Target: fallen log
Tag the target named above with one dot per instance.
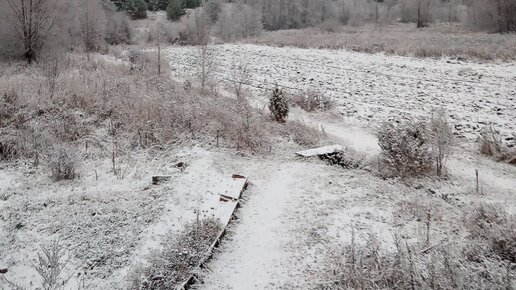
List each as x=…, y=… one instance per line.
x=160, y=179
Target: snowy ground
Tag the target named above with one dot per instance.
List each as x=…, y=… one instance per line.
x=299, y=211
x=107, y=225
x=373, y=88
x=295, y=210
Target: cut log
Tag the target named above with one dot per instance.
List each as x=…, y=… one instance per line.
x=320, y=151
x=160, y=179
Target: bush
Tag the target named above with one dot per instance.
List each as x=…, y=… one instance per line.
x=278, y=105
x=63, y=163
x=494, y=230
x=311, y=101
x=118, y=28
x=491, y=142
x=406, y=148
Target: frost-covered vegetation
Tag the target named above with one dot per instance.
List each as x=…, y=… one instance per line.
x=128, y=129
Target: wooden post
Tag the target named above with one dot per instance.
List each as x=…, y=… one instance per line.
x=476, y=175
x=428, y=220
x=159, y=52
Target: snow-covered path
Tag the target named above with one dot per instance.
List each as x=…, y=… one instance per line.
x=251, y=258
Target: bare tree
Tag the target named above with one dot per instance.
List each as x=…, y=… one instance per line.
x=205, y=63
x=33, y=21
x=441, y=138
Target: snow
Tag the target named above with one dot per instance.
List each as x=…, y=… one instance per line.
x=299, y=211
x=250, y=259
x=375, y=88
x=294, y=211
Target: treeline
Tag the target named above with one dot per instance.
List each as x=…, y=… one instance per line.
x=26, y=26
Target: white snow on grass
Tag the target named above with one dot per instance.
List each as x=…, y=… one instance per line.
x=374, y=88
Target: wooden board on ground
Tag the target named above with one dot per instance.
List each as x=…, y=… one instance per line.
x=231, y=197
x=320, y=151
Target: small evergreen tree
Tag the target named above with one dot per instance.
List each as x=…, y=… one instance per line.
x=175, y=9
x=192, y=4
x=278, y=105
x=137, y=9
x=156, y=5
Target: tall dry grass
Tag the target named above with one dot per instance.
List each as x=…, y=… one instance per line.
x=438, y=41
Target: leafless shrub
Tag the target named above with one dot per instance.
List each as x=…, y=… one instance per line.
x=406, y=148
x=491, y=144
x=180, y=258
x=196, y=28
x=63, y=163
x=494, y=230
x=51, y=70
x=92, y=25
x=50, y=265
x=118, y=28
x=8, y=105
x=441, y=138
x=139, y=59
x=312, y=100
x=331, y=26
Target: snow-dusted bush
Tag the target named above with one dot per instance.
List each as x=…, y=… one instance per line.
x=490, y=142
x=63, y=162
x=278, y=105
x=312, y=100
x=179, y=259
x=494, y=230
x=406, y=147
x=118, y=28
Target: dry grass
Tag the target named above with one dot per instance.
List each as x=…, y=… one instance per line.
x=113, y=106
x=439, y=40
x=478, y=255
x=180, y=257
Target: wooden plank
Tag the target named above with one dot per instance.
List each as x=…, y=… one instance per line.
x=239, y=180
x=320, y=151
